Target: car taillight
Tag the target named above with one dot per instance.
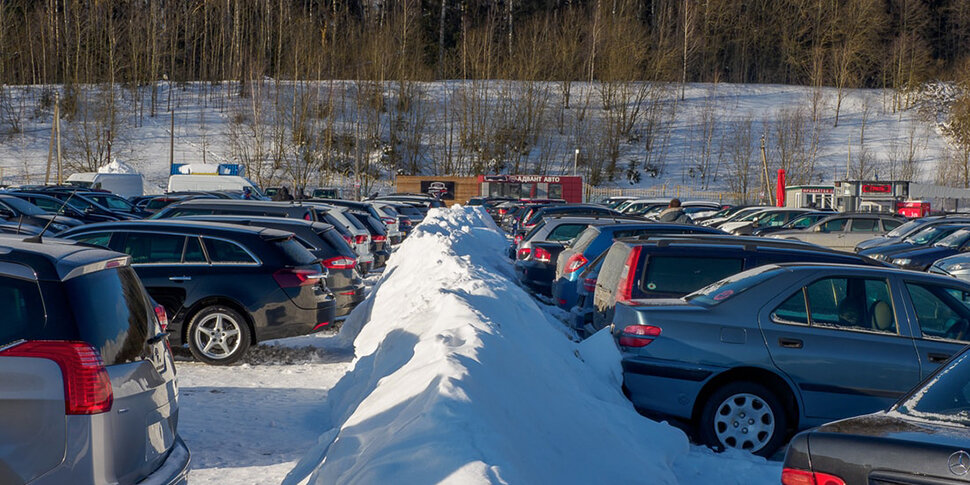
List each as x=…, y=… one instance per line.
x=380, y=238
x=87, y=387
x=524, y=253
x=541, y=255
x=349, y=239
x=517, y=239
x=388, y=220
x=340, y=262
x=502, y=212
x=162, y=316
x=575, y=262
x=589, y=284
x=624, y=289
x=638, y=335
x=794, y=476
x=294, y=277
x=361, y=239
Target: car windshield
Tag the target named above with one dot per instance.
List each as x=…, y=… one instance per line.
x=927, y=235
x=719, y=291
x=905, y=228
x=755, y=216
x=23, y=206
x=946, y=397
x=112, y=202
x=955, y=240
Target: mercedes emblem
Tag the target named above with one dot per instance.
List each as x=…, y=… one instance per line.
x=959, y=463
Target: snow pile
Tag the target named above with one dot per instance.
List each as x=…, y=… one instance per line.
x=460, y=377
x=116, y=167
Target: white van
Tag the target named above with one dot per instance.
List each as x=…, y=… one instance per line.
x=123, y=184
x=203, y=183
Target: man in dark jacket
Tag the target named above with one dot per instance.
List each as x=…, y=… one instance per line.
x=673, y=213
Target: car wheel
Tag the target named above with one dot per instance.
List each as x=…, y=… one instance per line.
x=746, y=416
x=218, y=335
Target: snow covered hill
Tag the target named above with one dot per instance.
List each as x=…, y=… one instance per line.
x=642, y=134
x=460, y=377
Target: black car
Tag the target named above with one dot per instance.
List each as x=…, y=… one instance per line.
x=207, y=207
x=922, y=439
x=18, y=211
x=929, y=234
x=922, y=257
x=224, y=287
x=80, y=202
x=62, y=208
x=324, y=242
x=380, y=246
x=798, y=223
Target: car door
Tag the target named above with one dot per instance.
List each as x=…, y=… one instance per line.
x=940, y=318
x=158, y=260
x=823, y=336
x=860, y=229
x=827, y=233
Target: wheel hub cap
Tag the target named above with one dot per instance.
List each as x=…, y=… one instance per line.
x=744, y=421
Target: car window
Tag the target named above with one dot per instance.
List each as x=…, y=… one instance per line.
x=852, y=304
x=118, y=330
x=944, y=398
x=95, y=238
x=23, y=310
x=903, y=229
x=566, y=232
x=683, y=274
x=863, y=225
x=792, y=310
x=585, y=238
x=941, y=312
x=49, y=205
x=532, y=232
x=193, y=251
x=835, y=225
x=151, y=248
x=226, y=252
x=889, y=224
x=721, y=291
x=112, y=202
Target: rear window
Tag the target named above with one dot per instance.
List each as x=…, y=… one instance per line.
x=112, y=312
x=680, y=275
x=532, y=232
x=585, y=238
x=946, y=397
x=22, y=308
x=613, y=266
x=731, y=286
x=335, y=243
x=296, y=254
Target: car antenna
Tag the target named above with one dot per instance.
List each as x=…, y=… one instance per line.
x=38, y=237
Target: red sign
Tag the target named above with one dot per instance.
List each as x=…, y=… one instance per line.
x=816, y=190
x=877, y=189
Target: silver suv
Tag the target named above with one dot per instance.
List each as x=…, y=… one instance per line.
x=87, y=381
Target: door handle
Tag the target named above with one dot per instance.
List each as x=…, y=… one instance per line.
x=180, y=278
x=790, y=343
x=938, y=357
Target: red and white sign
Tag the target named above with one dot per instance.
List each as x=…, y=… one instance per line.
x=877, y=189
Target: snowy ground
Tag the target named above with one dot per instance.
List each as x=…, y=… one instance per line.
x=456, y=375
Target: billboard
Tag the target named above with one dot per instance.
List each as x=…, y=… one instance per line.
x=440, y=189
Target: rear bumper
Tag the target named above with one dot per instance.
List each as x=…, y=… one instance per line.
x=175, y=469
x=682, y=383
x=293, y=321
x=564, y=293
x=535, y=276
x=347, y=299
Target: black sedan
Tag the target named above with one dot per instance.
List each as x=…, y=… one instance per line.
x=921, y=239
x=18, y=211
x=921, y=258
x=923, y=439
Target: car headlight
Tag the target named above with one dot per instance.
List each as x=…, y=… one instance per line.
x=902, y=261
x=958, y=267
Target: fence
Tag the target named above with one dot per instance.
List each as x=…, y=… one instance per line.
x=682, y=192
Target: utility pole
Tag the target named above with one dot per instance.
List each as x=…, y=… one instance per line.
x=171, y=137
x=764, y=164
x=576, y=163
x=57, y=135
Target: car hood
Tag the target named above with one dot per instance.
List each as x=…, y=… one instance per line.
x=67, y=221
x=891, y=249
x=923, y=252
x=878, y=241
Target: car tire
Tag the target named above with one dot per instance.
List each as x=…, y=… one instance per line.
x=743, y=415
x=218, y=335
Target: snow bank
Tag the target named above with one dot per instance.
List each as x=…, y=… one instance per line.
x=460, y=377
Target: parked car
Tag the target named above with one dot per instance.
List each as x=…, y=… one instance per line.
x=535, y=257
x=799, y=223
x=771, y=217
x=225, y=287
x=844, y=231
x=729, y=214
x=615, y=201
x=751, y=358
x=698, y=208
x=266, y=208
x=75, y=208
x=81, y=200
x=115, y=203
x=18, y=211
x=87, y=383
x=595, y=240
x=324, y=242
x=673, y=266
x=957, y=266
x=17, y=228
x=536, y=214
x=927, y=235
x=921, y=258
x=908, y=229
x=923, y=438
x=639, y=206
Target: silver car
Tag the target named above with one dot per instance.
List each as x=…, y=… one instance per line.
x=844, y=231
x=87, y=381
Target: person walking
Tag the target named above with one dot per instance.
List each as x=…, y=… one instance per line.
x=674, y=213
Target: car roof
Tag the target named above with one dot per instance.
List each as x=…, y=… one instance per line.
x=891, y=269
x=52, y=258
x=724, y=240
x=236, y=219
x=242, y=202
x=180, y=225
